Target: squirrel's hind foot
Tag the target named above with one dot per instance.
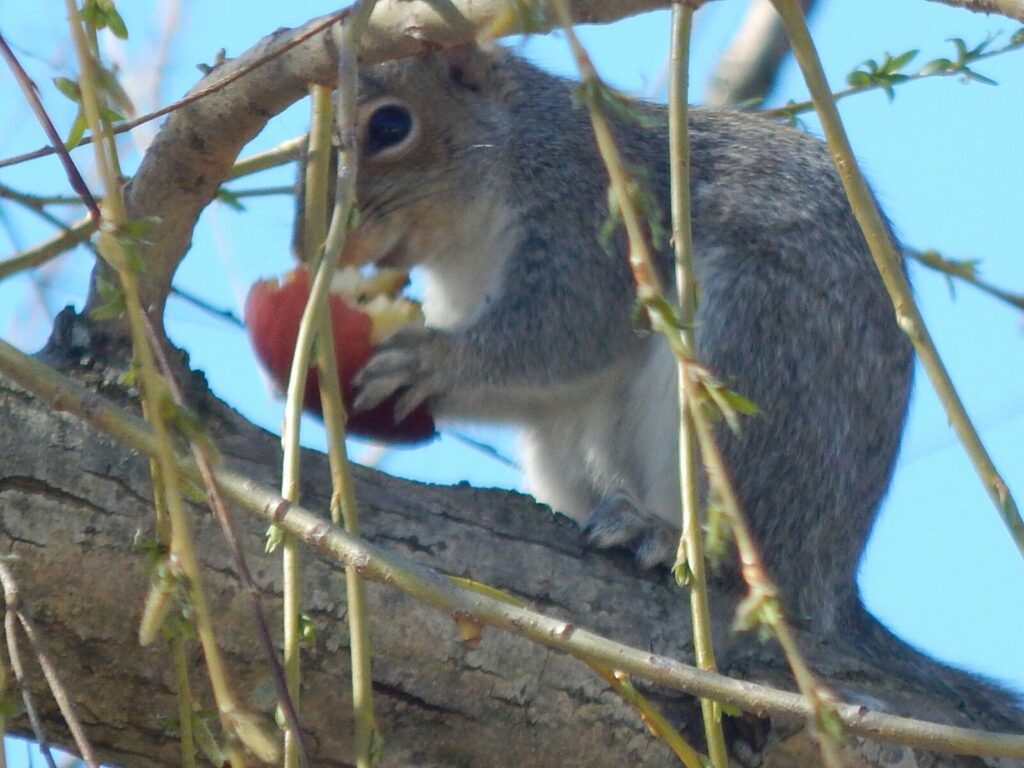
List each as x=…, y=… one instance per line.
x=619, y=521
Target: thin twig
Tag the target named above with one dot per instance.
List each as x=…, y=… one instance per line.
x=184, y=690
x=201, y=450
x=31, y=94
x=964, y=272
x=654, y=720
x=233, y=719
x=220, y=312
x=690, y=558
x=14, y=654
x=344, y=508
x=887, y=260
x=14, y=607
x=48, y=249
x=285, y=152
x=791, y=110
x=202, y=93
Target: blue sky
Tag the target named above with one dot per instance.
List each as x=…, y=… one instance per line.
x=944, y=158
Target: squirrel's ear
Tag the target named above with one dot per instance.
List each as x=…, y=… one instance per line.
x=469, y=65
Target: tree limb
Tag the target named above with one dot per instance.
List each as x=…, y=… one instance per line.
x=747, y=70
x=1013, y=9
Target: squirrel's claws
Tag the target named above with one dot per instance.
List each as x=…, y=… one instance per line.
x=404, y=363
x=619, y=522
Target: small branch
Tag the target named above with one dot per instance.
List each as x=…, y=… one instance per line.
x=690, y=562
x=184, y=688
x=344, y=509
x=654, y=720
x=965, y=272
x=1013, y=9
x=936, y=68
x=31, y=94
x=37, y=202
x=166, y=481
x=285, y=152
x=224, y=314
x=50, y=248
x=887, y=260
x=14, y=654
x=201, y=450
x=14, y=607
x=202, y=93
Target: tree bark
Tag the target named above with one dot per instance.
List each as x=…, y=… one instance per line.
x=75, y=506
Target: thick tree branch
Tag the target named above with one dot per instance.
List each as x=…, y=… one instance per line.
x=73, y=503
x=1011, y=8
x=748, y=68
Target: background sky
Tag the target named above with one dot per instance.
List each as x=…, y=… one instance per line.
x=945, y=159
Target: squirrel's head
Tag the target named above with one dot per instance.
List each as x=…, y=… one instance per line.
x=432, y=133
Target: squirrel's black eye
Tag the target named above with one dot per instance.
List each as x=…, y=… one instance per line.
x=388, y=126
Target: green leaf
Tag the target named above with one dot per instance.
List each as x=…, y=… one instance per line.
x=717, y=532
x=902, y=60
x=275, y=537
x=664, y=315
x=109, y=115
x=859, y=79
x=111, y=302
x=961, y=49
x=639, y=320
x=970, y=74
x=205, y=740
x=938, y=66
x=730, y=710
x=77, y=131
x=230, y=199
x=69, y=88
x=116, y=24
x=682, y=573
x=739, y=403
x=307, y=630
x=101, y=14
x=113, y=90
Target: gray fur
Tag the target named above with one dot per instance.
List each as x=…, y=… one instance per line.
x=501, y=198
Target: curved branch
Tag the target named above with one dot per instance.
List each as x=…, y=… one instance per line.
x=1013, y=9
x=195, y=149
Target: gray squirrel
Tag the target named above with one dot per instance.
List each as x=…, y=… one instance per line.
x=476, y=166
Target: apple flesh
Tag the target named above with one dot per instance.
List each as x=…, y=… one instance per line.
x=363, y=312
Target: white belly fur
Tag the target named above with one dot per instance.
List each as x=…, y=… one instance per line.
x=622, y=436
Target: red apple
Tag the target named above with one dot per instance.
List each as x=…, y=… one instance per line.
x=273, y=311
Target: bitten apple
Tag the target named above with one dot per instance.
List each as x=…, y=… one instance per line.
x=364, y=311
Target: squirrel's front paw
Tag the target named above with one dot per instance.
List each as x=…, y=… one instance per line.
x=618, y=521
x=408, y=364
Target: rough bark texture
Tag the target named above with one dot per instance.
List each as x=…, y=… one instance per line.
x=74, y=505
